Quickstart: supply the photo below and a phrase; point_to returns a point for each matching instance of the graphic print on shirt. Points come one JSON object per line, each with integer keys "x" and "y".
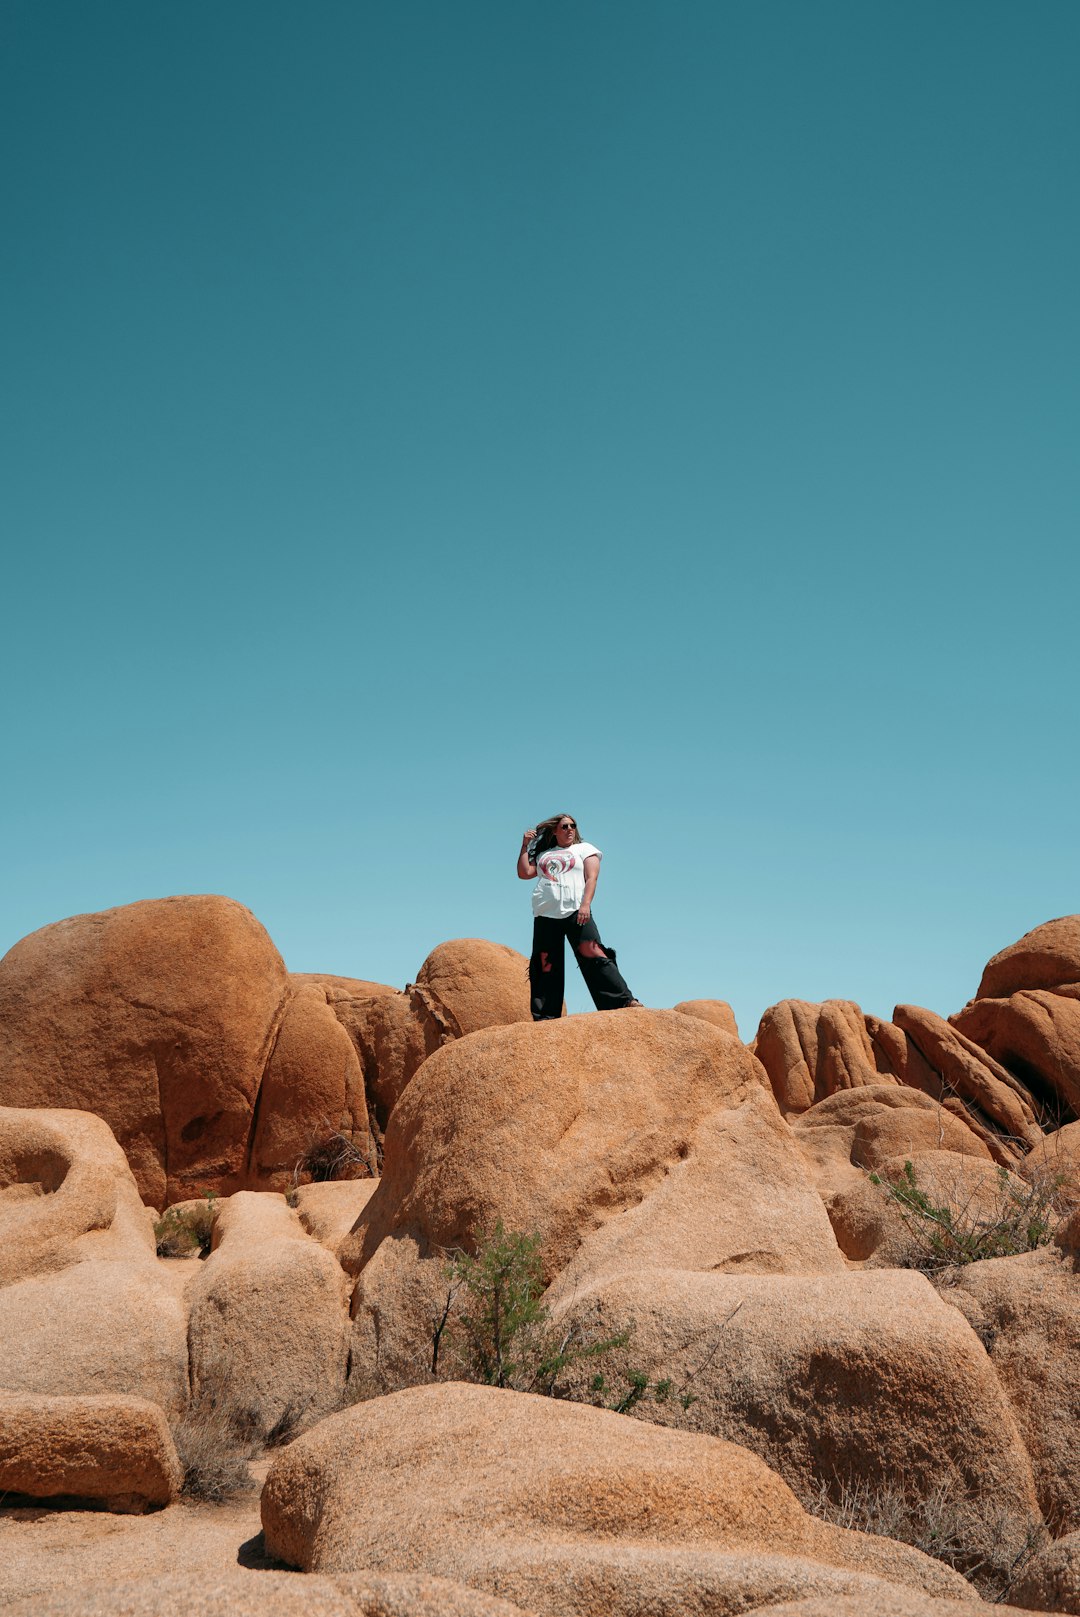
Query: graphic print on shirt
{"x": 553, "y": 865}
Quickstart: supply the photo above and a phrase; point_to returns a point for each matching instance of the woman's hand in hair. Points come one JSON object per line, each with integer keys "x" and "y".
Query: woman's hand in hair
{"x": 528, "y": 836}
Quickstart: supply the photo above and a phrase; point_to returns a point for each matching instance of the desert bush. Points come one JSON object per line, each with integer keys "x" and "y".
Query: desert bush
{"x": 330, "y": 1154}
{"x": 1015, "y": 1217}
{"x": 215, "y": 1438}
{"x": 214, "y": 1454}
{"x": 187, "y": 1231}
{"x": 982, "y": 1544}
{"x": 494, "y": 1328}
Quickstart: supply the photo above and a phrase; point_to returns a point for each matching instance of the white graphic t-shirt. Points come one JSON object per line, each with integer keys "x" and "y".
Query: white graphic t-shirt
{"x": 561, "y": 884}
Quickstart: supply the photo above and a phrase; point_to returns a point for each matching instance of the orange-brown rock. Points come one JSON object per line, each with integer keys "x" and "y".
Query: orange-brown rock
{"x": 268, "y": 1331}
{"x": 1046, "y": 957}
{"x": 236, "y": 1592}
{"x": 328, "y": 1211}
{"x": 562, "y": 1508}
{"x": 115, "y": 1450}
{"x": 313, "y": 1088}
{"x": 871, "y": 1227}
{"x": 66, "y": 1194}
{"x": 463, "y": 986}
{"x": 810, "y": 1051}
{"x": 553, "y": 1127}
{"x": 1055, "y": 1164}
{"x": 158, "y": 1017}
{"x": 992, "y": 1094}
{"x": 1051, "y": 1579}
{"x": 1026, "y": 1309}
{"x": 844, "y": 1135}
{"x": 638, "y": 1137}
{"x": 477, "y": 984}
{"x": 716, "y": 1011}
{"x": 1036, "y": 1035}
{"x": 856, "y": 1378}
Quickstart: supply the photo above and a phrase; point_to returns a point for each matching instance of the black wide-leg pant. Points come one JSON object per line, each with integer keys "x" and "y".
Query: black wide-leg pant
{"x": 547, "y": 979}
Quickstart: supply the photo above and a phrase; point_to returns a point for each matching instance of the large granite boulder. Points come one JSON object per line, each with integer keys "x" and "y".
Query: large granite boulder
{"x": 562, "y": 1507}
{"x": 113, "y": 1450}
{"x": 268, "y": 1329}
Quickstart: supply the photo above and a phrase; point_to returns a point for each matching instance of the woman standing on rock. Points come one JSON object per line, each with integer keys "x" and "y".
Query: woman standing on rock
{"x": 565, "y": 870}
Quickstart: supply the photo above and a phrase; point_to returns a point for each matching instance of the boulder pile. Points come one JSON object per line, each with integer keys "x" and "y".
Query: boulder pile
{"x": 610, "y": 1315}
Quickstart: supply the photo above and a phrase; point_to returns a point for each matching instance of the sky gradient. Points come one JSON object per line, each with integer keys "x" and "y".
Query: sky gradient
{"x": 419, "y": 419}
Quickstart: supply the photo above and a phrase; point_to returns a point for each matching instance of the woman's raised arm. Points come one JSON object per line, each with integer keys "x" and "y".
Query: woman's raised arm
{"x": 525, "y": 868}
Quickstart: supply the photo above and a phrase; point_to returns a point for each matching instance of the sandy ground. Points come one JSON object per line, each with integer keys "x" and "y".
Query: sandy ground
{"x": 42, "y": 1549}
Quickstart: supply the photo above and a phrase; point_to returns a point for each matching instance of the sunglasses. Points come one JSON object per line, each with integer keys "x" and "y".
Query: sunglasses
{"x": 567, "y": 825}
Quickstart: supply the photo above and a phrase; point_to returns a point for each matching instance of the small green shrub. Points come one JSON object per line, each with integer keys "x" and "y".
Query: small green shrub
{"x": 494, "y": 1328}
{"x": 1019, "y": 1218}
{"x": 187, "y": 1231}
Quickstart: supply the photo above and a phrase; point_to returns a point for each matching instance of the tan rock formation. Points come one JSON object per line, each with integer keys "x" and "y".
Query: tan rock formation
{"x": 268, "y": 1331}
{"x": 1036, "y": 1035}
{"x": 329, "y": 1211}
{"x": 1046, "y": 957}
{"x": 158, "y": 1017}
{"x": 83, "y": 1308}
{"x": 1026, "y": 1310}
{"x": 870, "y": 1226}
{"x": 463, "y": 986}
{"x": 846, "y": 1134}
{"x": 1051, "y": 1580}
{"x": 552, "y": 1127}
{"x": 888, "y": 1602}
{"x": 313, "y": 1087}
{"x": 562, "y": 1508}
{"x": 116, "y": 1450}
{"x": 716, "y": 1011}
{"x": 1055, "y": 1163}
{"x": 811, "y": 1051}
{"x": 991, "y": 1094}
{"x": 239, "y": 1593}
{"x": 648, "y": 1133}
{"x": 66, "y": 1194}
{"x": 861, "y": 1377}
{"x": 96, "y": 1327}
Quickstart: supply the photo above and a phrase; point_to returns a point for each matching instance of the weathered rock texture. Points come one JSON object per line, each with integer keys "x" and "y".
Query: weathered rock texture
{"x": 870, "y": 1226}
{"x": 1026, "y": 1015}
{"x": 563, "y": 1508}
{"x": 159, "y": 1017}
{"x": 83, "y": 1308}
{"x": 853, "y": 1378}
{"x": 648, "y": 1137}
{"x": 176, "y": 1021}
{"x": 66, "y": 1194}
{"x": 846, "y": 1134}
{"x": 1026, "y": 1310}
{"x": 238, "y": 1593}
{"x": 462, "y": 986}
{"x": 716, "y": 1011}
{"x": 553, "y": 1127}
{"x": 1051, "y": 1581}
{"x": 115, "y": 1450}
{"x": 811, "y": 1051}
{"x": 1008, "y": 1064}
{"x": 268, "y": 1332}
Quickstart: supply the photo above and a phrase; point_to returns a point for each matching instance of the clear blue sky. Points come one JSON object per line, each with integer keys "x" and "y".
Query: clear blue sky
{"x": 421, "y": 418}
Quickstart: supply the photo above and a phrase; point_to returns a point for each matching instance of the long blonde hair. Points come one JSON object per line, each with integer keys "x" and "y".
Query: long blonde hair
{"x": 545, "y": 833}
